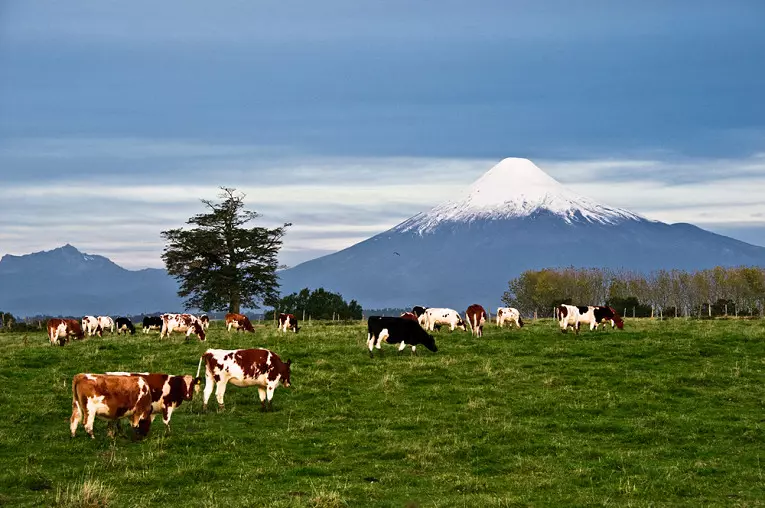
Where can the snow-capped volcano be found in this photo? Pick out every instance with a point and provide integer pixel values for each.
(514, 218)
(516, 188)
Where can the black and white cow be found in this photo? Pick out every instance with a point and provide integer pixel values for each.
(124, 325)
(397, 330)
(152, 323)
(605, 315)
(443, 316)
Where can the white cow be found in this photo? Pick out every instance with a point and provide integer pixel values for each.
(106, 323)
(509, 314)
(90, 326)
(187, 323)
(443, 316)
(568, 316)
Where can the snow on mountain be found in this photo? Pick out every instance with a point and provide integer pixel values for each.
(516, 188)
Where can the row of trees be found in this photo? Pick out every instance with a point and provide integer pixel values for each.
(716, 291)
(318, 304)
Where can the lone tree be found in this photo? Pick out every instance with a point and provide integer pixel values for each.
(222, 263)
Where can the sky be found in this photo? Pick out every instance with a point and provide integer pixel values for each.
(346, 117)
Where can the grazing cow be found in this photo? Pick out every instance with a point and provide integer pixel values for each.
(182, 323)
(124, 325)
(106, 323)
(167, 392)
(239, 322)
(605, 315)
(244, 367)
(568, 316)
(397, 330)
(509, 314)
(288, 322)
(91, 326)
(152, 323)
(59, 330)
(411, 316)
(476, 317)
(205, 320)
(440, 316)
(110, 398)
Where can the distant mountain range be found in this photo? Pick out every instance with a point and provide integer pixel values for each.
(65, 281)
(514, 218)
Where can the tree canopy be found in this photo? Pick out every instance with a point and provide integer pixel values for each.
(224, 263)
(319, 304)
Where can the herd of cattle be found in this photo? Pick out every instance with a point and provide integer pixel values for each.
(141, 396)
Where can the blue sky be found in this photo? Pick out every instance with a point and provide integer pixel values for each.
(346, 117)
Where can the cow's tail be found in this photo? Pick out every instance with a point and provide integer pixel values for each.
(199, 367)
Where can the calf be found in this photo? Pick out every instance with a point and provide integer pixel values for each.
(124, 325)
(205, 320)
(59, 330)
(182, 323)
(244, 367)
(167, 392)
(152, 323)
(510, 314)
(239, 322)
(440, 316)
(288, 322)
(476, 317)
(91, 326)
(110, 398)
(397, 330)
(106, 323)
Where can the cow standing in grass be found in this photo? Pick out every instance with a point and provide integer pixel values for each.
(509, 314)
(397, 330)
(476, 317)
(239, 322)
(60, 330)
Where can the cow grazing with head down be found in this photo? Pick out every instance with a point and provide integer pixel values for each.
(106, 323)
(184, 323)
(605, 315)
(397, 330)
(244, 367)
(124, 325)
(288, 322)
(167, 392)
(152, 323)
(476, 318)
(60, 330)
(91, 326)
(568, 317)
(441, 316)
(205, 320)
(509, 314)
(110, 398)
(239, 322)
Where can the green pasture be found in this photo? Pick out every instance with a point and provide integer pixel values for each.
(664, 413)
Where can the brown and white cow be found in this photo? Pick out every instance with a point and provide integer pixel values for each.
(167, 392)
(110, 398)
(244, 367)
(509, 314)
(106, 323)
(476, 317)
(59, 330)
(91, 326)
(205, 320)
(595, 315)
(181, 323)
(442, 316)
(239, 322)
(288, 322)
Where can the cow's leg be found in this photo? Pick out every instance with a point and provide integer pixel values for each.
(167, 412)
(220, 391)
(270, 394)
(401, 346)
(262, 395)
(90, 417)
(74, 421)
(209, 382)
(370, 343)
(414, 350)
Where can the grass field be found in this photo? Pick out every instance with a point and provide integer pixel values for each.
(663, 413)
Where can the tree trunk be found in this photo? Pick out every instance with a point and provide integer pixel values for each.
(233, 304)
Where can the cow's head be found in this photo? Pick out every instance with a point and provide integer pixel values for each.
(286, 373)
(562, 311)
(520, 322)
(142, 427)
(186, 386)
(429, 342)
(618, 321)
(461, 324)
(197, 329)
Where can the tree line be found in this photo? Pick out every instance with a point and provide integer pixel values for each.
(317, 304)
(718, 291)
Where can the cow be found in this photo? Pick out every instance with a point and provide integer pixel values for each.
(110, 398)
(510, 314)
(152, 323)
(419, 311)
(476, 317)
(182, 323)
(605, 315)
(167, 392)
(411, 316)
(397, 330)
(124, 325)
(440, 316)
(205, 320)
(244, 367)
(288, 322)
(106, 323)
(91, 326)
(568, 316)
(59, 330)
(239, 322)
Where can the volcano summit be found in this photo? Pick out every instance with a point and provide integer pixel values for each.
(514, 218)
